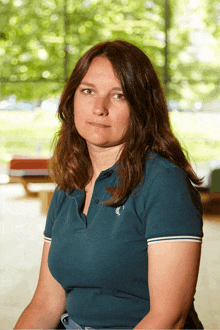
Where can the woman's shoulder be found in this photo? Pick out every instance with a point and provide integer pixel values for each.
(169, 202)
(64, 197)
(162, 176)
(59, 194)
(58, 198)
(165, 178)
(159, 165)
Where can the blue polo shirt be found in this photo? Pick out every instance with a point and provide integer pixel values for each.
(101, 260)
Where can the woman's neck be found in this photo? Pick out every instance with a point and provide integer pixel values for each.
(103, 158)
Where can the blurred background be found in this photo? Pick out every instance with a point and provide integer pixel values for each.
(40, 42)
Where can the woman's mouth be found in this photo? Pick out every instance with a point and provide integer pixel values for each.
(98, 124)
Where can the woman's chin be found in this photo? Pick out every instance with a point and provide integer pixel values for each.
(99, 143)
(102, 143)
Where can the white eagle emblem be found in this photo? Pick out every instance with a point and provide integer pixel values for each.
(117, 210)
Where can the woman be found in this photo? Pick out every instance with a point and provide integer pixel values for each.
(124, 226)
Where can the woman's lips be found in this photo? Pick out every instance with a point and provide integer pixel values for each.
(98, 124)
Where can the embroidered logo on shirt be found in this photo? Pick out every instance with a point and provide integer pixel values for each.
(117, 210)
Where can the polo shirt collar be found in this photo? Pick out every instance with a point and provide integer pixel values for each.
(107, 173)
(80, 194)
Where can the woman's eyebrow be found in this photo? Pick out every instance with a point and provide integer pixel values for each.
(87, 84)
(117, 89)
(91, 85)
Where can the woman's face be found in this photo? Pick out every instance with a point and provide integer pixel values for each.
(101, 113)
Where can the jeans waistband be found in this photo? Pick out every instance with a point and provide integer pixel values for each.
(70, 324)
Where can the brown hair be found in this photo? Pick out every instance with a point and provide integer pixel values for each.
(149, 126)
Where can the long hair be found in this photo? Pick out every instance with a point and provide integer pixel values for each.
(149, 126)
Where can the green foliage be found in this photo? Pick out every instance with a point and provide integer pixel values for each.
(39, 46)
(212, 17)
(40, 41)
(194, 73)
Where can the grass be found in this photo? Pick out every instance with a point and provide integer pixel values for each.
(198, 133)
(26, 133)
(31, 133)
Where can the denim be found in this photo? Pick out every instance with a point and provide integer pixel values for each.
(192, 322)
(70, 324)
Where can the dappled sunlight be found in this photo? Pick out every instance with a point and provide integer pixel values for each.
(27, 133)
(198, 133)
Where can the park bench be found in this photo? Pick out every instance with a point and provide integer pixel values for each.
(29, 170)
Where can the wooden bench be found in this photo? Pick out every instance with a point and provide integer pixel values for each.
(29, 170)
(210, 195)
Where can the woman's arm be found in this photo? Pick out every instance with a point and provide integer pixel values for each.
(48, 302)
(173, 272)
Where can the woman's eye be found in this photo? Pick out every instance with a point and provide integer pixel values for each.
(118, 96)
(88, 91)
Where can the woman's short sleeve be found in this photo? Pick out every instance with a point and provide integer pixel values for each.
(173, 208)
(52, 214)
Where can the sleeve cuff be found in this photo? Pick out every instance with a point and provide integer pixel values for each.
(174, 238)
(47, 239)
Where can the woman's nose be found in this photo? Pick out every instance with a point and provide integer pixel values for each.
(101, 106)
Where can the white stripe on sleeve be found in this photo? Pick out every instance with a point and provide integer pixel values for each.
(174, 238)
(47, 239)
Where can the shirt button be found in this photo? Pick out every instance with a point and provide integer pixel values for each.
(96, 201)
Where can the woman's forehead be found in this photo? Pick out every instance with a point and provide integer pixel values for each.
(101, 71)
